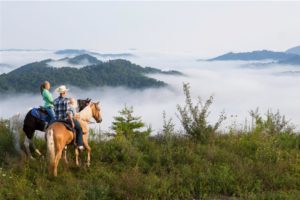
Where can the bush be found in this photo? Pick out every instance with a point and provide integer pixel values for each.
(194, 117)
(274, 123)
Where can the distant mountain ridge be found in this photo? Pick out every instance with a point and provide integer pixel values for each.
(289, 57)
(111, 73)
(84, 57)
(294, 50)
(254, 55)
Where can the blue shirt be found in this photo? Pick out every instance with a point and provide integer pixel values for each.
(60, 107)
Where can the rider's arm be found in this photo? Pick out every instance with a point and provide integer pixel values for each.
(70, 115)
(71, 119)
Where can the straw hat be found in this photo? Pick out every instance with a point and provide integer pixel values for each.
(61, 89)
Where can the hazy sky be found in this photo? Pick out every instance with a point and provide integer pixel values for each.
(202, 28)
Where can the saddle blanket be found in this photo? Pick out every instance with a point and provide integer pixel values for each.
(39, 114)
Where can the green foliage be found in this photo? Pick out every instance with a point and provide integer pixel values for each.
(194, 117)
(273, 124)
(6, 142)
(128, 125)
(168, 126)
(235, 166)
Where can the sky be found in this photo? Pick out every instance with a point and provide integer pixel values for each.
(199, 28)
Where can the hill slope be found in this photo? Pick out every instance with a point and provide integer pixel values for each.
(112, 73)
(294, 50)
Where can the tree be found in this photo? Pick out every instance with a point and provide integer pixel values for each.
(128, 125)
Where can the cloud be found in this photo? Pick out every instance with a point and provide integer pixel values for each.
(15, 59)
(236, 90)
(65, 63)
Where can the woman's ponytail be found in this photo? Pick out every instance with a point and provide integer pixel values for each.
(42, 86)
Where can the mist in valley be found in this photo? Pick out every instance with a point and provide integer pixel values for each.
(236, 87)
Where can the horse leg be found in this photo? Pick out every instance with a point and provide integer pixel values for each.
(27, 143)
(65, 155)
(35, 149)
(56, 161)
(88, 148)
(77, 155)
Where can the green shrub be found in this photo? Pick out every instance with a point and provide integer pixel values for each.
(194, 117)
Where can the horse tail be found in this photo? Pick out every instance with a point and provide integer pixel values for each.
(50, 147)
(14, 127)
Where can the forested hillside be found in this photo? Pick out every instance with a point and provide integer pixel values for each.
(111, 73)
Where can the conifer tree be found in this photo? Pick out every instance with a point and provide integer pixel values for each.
(128, 125)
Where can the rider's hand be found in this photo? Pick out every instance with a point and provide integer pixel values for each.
(73, 125)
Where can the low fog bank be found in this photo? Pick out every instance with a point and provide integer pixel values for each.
(237, 90)
(64, 63)
(148, 103)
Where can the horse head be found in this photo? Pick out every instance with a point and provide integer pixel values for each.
(96, 112)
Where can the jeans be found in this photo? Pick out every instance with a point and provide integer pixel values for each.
(51, 114)
(78, 129)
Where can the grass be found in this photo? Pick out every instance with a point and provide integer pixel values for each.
(230, 166)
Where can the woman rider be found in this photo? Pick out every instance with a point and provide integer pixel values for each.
(48, 100)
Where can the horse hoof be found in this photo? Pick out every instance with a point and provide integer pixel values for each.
(38, 152)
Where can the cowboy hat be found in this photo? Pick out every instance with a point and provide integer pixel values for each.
(61, 89)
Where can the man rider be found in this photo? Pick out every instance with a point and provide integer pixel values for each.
(61, 107)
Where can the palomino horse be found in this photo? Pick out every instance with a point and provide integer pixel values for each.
(30, 124)
(58, 136)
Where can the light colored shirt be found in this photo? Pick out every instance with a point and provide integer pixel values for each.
(71, 110)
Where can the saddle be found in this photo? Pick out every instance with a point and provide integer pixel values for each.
(67, 124)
